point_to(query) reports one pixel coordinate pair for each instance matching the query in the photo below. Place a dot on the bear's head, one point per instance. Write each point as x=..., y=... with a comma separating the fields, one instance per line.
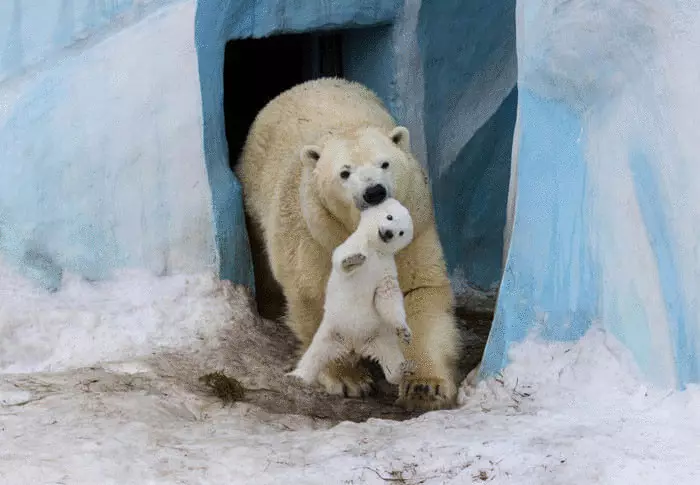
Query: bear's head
x=390, y=226
x=359, y=168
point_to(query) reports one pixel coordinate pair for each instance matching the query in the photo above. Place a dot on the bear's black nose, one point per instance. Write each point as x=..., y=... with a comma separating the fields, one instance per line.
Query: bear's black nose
x=386, y=235
x=375, y=194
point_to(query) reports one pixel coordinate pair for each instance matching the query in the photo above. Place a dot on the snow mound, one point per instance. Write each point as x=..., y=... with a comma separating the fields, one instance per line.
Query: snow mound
x=88, y=322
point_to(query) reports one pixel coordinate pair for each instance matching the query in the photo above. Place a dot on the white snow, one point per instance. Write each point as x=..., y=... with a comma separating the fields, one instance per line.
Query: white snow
x=89, y=322
x=569, y=413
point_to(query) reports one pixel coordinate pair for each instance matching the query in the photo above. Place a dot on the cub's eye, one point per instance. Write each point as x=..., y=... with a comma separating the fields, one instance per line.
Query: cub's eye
x=344, y=174
x=389, y=217
x=401, y=233
x=385, y=165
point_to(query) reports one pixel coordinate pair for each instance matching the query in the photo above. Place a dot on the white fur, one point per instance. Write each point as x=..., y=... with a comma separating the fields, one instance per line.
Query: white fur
x=364, y=308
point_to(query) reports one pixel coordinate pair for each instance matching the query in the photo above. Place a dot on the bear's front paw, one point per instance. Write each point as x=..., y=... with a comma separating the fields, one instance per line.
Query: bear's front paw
x=405, y=334
x=426, y=394
x=353, y=261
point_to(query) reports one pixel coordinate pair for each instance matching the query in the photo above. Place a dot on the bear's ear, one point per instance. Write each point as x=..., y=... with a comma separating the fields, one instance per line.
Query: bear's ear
x=400, y=137
x=310, y=154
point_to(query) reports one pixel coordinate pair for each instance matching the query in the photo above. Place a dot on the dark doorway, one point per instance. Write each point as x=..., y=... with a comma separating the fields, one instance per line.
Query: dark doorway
x=255, y=71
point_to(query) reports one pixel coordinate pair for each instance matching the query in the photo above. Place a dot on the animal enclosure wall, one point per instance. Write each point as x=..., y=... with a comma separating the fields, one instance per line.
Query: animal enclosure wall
x=121, y=121
x=470, y=70
x=461, y=86
x=102, y=163
x=606, y=219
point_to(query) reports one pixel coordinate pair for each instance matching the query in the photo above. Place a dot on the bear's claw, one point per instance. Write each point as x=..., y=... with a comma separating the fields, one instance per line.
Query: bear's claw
x=425, y=394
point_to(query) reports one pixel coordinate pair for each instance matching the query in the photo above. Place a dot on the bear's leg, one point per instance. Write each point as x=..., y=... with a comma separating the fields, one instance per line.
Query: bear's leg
x=433, y=350
x=304, y=316
x=343, y=377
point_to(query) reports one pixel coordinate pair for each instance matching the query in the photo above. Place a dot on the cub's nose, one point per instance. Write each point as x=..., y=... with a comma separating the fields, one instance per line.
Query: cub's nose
x=387, y=235
x=375, y=194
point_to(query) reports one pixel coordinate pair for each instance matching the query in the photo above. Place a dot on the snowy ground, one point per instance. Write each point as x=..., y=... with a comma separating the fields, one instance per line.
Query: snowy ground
x=96, y=387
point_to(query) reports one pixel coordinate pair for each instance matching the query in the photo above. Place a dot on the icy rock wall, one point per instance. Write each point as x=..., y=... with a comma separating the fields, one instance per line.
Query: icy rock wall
x=102, y=164
x=606, y=202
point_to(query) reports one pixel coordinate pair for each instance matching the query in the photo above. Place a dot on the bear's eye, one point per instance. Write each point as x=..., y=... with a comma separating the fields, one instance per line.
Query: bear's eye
x=344, y=174
x=385, y=165
x=389, y=217
x=401, y=233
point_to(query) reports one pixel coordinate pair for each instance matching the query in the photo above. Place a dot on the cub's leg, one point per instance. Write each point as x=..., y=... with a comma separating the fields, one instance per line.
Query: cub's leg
x=341, y=376
x=388, y=301
x=325, y=348
x=386, y=351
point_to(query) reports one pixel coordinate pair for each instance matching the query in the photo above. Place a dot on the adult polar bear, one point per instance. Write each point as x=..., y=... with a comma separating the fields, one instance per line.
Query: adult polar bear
x=313, y=155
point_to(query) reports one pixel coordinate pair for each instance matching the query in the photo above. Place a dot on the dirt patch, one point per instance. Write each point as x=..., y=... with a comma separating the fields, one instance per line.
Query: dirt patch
x=258, y=352
x=245, y=365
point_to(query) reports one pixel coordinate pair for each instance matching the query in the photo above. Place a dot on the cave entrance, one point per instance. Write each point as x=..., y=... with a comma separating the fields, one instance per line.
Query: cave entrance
x=257, y=70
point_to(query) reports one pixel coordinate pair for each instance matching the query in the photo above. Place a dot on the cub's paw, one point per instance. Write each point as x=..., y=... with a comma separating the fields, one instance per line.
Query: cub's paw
x=405, y=334
x=407, y=368
x=426, y=393
x=344, y=379
x=296, y=374
x=353, y=261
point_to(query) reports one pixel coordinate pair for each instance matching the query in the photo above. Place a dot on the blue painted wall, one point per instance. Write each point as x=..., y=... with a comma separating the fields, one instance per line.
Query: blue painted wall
x=33, y=31
x=606, y=221
x=102, y=163
x=550, y=280
x=468, y=55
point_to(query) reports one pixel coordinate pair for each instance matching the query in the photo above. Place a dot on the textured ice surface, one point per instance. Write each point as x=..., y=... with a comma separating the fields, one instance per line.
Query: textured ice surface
x=606, y=216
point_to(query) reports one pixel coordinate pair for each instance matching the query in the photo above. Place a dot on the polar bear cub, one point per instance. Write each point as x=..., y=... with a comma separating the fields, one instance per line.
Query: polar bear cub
x=364, y=308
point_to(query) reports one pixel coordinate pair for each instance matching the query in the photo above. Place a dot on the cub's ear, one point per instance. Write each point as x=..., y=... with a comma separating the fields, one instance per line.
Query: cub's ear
x=399, y=136
x=310, y=154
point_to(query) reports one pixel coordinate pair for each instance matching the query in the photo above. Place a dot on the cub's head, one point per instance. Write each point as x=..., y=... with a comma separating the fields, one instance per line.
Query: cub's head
x=390, y=226
x=360, y=168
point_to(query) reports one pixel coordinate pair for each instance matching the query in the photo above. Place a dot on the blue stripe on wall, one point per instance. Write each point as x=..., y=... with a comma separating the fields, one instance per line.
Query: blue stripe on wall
x=551, y=281
x=652, y=200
